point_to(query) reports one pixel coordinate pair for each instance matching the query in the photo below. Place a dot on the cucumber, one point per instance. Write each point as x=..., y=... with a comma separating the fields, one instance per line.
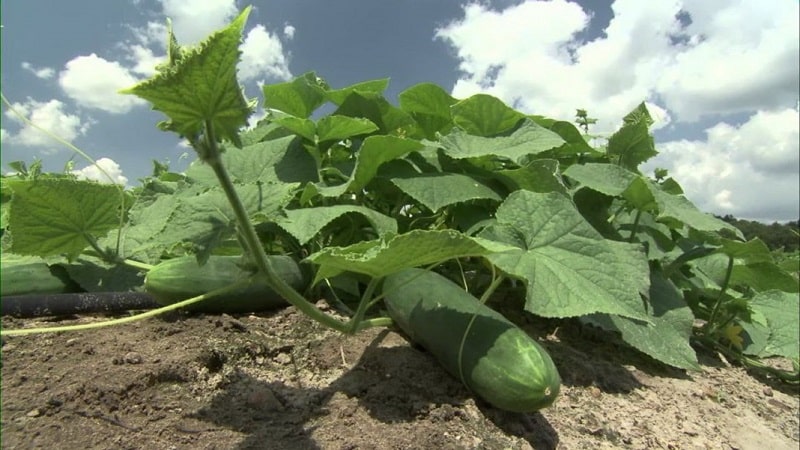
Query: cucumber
x=177, y=279
x=494, y=358
x=30, y=275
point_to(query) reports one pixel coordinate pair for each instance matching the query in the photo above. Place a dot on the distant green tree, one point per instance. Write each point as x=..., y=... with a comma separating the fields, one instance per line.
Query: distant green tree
x=776, y=236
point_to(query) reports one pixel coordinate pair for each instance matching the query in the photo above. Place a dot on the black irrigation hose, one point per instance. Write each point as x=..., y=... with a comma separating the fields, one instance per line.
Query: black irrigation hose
x=79, y=303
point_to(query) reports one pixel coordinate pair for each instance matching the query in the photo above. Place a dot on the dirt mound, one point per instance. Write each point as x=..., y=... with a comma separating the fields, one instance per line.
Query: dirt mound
x=280, y=381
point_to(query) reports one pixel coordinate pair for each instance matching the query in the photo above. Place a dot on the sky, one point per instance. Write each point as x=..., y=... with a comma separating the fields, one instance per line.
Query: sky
x=722, y=77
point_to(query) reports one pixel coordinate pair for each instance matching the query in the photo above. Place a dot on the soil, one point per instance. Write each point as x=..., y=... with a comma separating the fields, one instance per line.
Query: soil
x=280, y=381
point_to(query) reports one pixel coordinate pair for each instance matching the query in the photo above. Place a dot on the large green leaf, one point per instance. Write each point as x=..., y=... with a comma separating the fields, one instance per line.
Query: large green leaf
x=375, y=151
x=484, y=115
x=207, y=219
x=334, y=128
x=60, y=216
x=608, y=179
x=666, y=338
x=282, y=160
x=299, y=97
x=390, y=254
x=438, y=190
x=338, y=96
x=200, y=86
x=429, y=105
x=372, y=106
x=528, y=139
x=781, y=311
x=539, y=175
x=569, y=268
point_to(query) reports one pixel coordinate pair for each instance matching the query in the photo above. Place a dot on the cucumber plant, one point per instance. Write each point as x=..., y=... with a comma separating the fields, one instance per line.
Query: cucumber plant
x=471, y=190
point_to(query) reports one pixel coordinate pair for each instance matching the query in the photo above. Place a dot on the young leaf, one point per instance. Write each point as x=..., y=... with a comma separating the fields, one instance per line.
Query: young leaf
x=54, y=216
x=631, y=145
x=558, y=254
x=201, y=86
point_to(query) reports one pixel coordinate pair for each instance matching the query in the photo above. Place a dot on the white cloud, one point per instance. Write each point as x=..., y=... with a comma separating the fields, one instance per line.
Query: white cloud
x=745, y=58
x=734, y=57
x=144, y=60
x=288, y=31
x=50, y=116
x=751, y=171
x=193, y=20
x=262, y=55
x=4, y=135
x=94, y=172
x=43, y=73
x=93, y=82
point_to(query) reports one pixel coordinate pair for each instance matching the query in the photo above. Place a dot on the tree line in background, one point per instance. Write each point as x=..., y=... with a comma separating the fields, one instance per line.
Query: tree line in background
x=776, y=236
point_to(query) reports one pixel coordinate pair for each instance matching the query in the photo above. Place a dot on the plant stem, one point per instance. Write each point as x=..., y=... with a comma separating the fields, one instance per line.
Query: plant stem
x=363, y=305
x=710, y=325
x=134, y=318
x=250, y=237
x=635, y=225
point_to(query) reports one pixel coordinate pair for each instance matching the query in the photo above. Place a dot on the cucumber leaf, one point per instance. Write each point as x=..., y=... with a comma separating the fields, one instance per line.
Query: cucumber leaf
x=557, y=256
x=666, y=339
x=59, y=215
x=199, y=85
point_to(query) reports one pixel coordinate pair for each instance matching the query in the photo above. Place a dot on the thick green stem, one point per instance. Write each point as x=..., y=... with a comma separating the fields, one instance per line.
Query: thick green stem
x=635, y=225
x=363, y=305
x=250, y=237
x=710, y=324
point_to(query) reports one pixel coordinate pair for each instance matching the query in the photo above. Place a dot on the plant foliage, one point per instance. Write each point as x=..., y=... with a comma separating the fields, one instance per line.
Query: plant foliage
x=469, y=186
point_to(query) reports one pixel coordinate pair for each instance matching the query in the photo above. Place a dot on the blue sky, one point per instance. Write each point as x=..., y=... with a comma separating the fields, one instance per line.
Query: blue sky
x=722, y=76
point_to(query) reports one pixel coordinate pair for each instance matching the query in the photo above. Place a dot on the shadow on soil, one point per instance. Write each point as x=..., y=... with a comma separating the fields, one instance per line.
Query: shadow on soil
x=385, y=382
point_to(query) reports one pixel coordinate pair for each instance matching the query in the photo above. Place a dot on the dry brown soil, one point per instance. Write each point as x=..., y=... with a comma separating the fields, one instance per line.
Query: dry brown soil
x=280, y=381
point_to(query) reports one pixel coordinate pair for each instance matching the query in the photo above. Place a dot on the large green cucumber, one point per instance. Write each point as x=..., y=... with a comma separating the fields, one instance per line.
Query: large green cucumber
x=177, y=279
x=494, y=358
x=29, y=275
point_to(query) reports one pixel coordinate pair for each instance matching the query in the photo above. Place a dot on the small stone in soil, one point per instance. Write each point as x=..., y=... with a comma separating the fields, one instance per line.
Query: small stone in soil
x=133, y=358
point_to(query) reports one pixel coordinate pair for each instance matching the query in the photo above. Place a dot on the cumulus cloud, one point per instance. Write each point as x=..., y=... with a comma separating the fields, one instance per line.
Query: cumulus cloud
x=113, y=173
x=43, y=72
x=49, y=115
x=288, y=31
x=262, y=55
x=93, y=82
x=732, y=57
x=751, y=170
x=193, y=20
